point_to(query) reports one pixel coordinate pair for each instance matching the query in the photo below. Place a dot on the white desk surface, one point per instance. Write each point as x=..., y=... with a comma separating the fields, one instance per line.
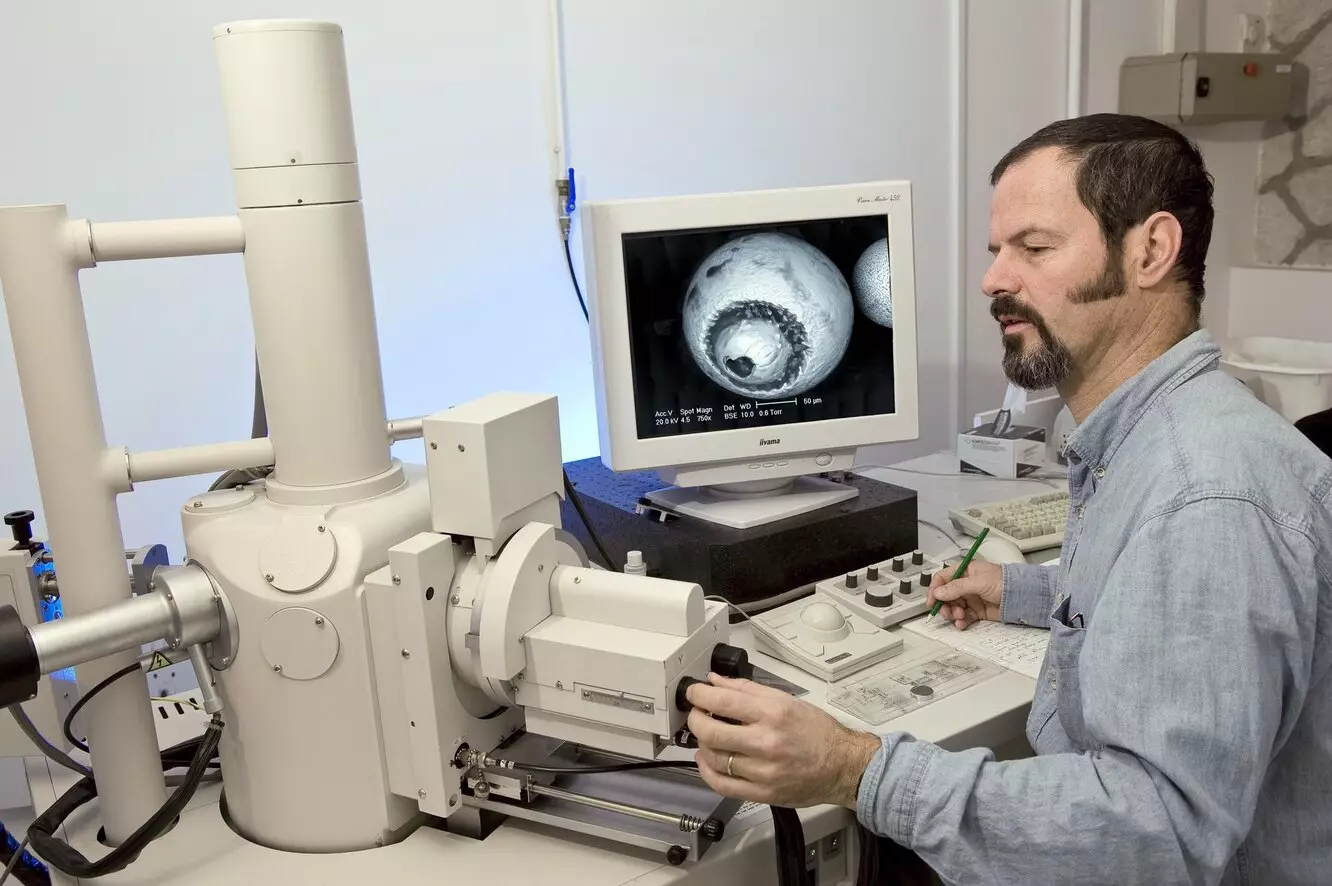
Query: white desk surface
x=203, y=851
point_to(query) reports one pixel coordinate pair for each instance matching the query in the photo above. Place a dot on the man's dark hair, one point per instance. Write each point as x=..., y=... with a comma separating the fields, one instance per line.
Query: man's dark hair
x=1128, y=168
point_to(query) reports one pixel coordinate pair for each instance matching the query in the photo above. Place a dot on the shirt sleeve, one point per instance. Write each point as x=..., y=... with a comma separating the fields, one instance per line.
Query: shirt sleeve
x=1029, y=593
x=1194, y=671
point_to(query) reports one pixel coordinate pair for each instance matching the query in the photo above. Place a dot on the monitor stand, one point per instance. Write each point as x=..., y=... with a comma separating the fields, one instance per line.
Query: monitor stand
x=754, y=503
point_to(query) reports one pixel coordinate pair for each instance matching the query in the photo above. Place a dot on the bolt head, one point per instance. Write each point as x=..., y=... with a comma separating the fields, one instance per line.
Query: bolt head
x=453, y=799
x=462, y=448
x=322, y=527
x=454, y=599
x=268, y=577
x=152, y=585
x=319, y=620
x=406, y=654
x=577, y=580
x=541, y=567
x=397, y=579
x=197, y=504
x=421, y=793
x=277, y=669
x=434, y=445
x=559, y=684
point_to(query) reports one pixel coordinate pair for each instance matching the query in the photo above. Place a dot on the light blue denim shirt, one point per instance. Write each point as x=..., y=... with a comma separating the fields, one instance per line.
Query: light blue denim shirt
x=1183, y=716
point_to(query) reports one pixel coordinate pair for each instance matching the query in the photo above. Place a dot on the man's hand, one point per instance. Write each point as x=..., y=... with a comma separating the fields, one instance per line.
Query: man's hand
x=784, y=752
x=976, y=595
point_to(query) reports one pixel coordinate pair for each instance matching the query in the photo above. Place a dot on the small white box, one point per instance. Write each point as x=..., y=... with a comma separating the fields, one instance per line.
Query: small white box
x=1017, y=452
x=490, y=461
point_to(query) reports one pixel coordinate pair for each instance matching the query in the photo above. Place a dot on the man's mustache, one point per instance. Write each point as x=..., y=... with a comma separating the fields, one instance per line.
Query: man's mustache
x=1011, y=306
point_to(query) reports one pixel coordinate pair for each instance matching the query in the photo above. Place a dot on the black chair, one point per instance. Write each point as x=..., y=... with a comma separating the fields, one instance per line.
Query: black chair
x=1318, y=428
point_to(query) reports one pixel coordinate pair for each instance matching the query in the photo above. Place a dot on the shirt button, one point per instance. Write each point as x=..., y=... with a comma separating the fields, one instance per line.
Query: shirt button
x=1099, y=472
x=1054, y=683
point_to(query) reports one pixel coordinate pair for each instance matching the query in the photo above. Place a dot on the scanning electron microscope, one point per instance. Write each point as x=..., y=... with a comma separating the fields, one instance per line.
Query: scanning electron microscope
x=385, y=650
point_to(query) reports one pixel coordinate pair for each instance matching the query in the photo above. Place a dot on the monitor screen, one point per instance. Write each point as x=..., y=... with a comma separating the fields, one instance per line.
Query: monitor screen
x=759, y=325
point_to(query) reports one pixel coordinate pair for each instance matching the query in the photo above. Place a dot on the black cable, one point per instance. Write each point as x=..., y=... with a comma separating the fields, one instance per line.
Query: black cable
x=573, y=278
x=92, y=693
x=577, y=502
x=70, y=861
x=789, y=840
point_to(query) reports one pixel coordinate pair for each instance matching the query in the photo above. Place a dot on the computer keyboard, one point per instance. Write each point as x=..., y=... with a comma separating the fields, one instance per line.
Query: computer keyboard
x=1032, y=522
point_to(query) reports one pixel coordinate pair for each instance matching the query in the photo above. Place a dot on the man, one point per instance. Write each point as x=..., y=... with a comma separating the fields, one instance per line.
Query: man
x=1183, y=716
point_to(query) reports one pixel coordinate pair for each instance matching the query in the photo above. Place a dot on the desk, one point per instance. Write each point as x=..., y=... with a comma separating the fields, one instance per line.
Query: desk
x=203, y=851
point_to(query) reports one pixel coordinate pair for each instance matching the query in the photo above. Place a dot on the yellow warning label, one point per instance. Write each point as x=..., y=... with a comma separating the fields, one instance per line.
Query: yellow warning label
x=159, y=661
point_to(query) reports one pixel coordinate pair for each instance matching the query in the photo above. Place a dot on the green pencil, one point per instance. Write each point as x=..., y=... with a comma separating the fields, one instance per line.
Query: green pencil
x=962, y=567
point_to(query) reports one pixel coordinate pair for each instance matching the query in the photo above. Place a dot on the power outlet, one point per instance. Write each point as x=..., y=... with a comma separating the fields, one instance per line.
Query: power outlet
x=1252, y=33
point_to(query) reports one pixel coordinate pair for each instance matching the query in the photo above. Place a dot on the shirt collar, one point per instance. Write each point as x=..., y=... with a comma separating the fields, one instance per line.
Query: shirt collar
x=1101, y=433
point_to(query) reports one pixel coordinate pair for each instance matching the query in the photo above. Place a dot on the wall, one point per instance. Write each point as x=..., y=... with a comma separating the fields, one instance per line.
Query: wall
x=1017, y=82
x=1243, y=297
x=697, y=97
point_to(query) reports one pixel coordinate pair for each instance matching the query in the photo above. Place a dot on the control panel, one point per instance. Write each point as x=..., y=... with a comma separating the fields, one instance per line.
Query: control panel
x=886, y=592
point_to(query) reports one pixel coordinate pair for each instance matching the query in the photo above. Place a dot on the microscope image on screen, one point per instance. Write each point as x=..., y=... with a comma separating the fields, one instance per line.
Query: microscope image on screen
x=760, y=325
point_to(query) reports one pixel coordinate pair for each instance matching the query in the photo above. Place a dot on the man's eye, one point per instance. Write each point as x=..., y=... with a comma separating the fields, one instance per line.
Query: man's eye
x=1035, y=250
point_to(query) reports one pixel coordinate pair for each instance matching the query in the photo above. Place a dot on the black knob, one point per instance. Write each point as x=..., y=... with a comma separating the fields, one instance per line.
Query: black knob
x=676, y=856
x=19, y=667
x=713, y=829
x=852, y=580
x=731, y=661
x=897, y=565
x=20, y=523
x=926, y=579
x=907, y=589
x=872, y=573
x=682, y=702
x=882, y=598
x=917, y=558
x=683, y=738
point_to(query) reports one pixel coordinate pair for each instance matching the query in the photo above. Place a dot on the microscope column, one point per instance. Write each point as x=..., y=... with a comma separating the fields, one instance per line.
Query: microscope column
x=41, y=251
x=293, y=154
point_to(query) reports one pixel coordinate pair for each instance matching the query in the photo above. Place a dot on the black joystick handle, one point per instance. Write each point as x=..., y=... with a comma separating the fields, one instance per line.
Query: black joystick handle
x=731, y=661
x=20, y=523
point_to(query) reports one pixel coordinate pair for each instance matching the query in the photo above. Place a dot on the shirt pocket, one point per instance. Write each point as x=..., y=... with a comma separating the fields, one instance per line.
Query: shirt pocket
x=1067, y=636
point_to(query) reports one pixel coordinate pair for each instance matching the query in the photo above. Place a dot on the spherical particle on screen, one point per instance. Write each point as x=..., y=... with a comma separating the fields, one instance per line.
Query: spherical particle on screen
x=768, y=316
x=872, y=283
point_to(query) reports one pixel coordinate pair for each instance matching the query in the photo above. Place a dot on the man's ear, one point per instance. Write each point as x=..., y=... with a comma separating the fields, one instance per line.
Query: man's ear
x=1155, y=251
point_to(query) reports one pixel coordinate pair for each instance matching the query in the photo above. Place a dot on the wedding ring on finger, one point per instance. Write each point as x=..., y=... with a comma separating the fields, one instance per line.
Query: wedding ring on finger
x=730, y=759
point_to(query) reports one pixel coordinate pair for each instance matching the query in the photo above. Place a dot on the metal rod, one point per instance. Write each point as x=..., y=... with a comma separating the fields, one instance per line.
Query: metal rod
x=683, y=822
x=207, y=682
x=77, y=639
x=167, y=238
x=191, y=460
x=404, y=429
x=41, y=251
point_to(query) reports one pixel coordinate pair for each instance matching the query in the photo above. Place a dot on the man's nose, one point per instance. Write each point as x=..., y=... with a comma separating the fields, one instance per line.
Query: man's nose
x=999, y=279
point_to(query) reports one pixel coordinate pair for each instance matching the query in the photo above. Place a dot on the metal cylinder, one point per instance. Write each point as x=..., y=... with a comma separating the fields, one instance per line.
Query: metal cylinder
x=40, y=253
x=167, y=238
x=293, y=148
x=127, y=625
x=182, y=609
x=314, y=328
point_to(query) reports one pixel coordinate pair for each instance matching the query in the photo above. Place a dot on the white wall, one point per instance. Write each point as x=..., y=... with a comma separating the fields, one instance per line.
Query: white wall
x=1244, y=299
x=700, y=96
x=1017, y=82
x=116, y=113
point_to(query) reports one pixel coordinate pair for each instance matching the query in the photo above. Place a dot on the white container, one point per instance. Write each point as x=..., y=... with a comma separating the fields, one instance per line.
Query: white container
x=1293, y=376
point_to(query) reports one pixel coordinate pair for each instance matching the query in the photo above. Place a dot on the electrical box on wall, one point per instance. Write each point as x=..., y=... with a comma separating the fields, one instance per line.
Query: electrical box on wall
x=1207, y=87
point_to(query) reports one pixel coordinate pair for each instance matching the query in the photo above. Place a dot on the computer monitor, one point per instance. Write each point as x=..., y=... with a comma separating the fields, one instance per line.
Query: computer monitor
x=745, y=343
